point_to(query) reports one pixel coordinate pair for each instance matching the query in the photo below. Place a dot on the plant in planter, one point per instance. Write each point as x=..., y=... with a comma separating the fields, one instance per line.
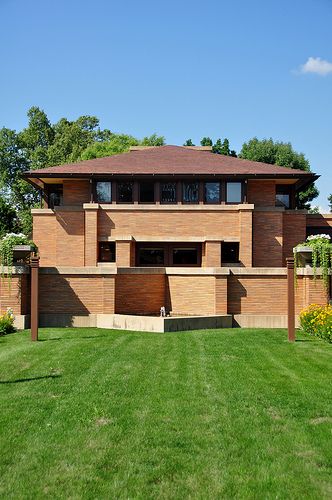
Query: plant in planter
x=11, y=245
x=319, y=248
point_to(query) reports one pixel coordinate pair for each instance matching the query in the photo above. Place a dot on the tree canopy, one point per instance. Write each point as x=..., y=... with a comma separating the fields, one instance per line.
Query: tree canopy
x=282, y=154
x=330, y=202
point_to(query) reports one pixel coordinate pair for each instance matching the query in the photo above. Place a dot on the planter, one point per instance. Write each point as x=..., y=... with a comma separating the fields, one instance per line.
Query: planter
x=22, y=252
x=305, y=255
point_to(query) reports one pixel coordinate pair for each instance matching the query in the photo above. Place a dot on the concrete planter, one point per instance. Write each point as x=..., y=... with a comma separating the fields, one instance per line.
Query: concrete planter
x=305, y=255
x=22, y=252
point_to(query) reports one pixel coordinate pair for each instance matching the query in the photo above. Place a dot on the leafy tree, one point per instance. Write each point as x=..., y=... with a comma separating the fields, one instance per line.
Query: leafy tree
x=330, y=202
x=189, y=142
x=206, y=141
x=8, y=218
x=119, y=143
x=314, y=210
x=222, y=148
x=283, y=154
x=153, y=140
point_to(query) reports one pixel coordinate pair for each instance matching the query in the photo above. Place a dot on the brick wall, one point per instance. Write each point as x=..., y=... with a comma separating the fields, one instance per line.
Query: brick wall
x=267, y=239
x=139, y=293
x=192, y=294
x=76, y=192
x=14, y=294
x=45, y=236
x=294, y=232
x=261, y=193
x=69, y=238
x=76, y=294
x=90, y=244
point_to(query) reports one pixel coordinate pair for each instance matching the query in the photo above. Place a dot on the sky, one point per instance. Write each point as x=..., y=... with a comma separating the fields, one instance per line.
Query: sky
x=183, y=69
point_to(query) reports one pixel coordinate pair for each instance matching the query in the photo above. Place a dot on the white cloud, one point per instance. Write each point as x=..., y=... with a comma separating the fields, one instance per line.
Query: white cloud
x=316, y=65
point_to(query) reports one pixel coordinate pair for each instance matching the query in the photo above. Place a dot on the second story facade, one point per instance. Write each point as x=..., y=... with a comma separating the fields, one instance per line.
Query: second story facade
x=170, y=206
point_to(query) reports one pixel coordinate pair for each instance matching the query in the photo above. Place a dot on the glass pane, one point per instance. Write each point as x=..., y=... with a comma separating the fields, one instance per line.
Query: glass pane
x=55, y=196
x=185, y=256
x=146, y=192
x=151, y=257
x=168, y=192
x=107, y=252
x=104, y=192
x=230, y=252
x=190, y=192
x=282, y=200
x=234, y=192
x=125, y=192
x=212, y=192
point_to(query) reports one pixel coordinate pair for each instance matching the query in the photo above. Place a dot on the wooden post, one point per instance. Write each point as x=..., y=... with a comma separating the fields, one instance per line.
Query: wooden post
x=34, y=268
x=291, y=299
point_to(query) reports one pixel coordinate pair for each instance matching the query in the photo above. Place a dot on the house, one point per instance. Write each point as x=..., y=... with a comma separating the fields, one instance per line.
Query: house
x=179, y=227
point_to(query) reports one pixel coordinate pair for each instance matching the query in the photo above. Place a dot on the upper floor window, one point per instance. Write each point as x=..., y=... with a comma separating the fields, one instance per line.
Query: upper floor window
x=104, y=192
x=55, y=195
x=233, y=192
x=282, y=196
x=168, y=192
x=106, y=251
x=146, y=192
x=190, y=192
x=125, y=192
x=212, y=192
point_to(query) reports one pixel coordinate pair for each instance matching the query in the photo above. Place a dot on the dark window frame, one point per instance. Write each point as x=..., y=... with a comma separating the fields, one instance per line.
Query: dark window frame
x=100, y=243
x=160, y=193
x=168, y=253
x=132, y=192
x=182, y=192
x=95, y=197
x=204, y=195
x=153, y=190
x=52, y=188
x=230, y=261
x=242, y=192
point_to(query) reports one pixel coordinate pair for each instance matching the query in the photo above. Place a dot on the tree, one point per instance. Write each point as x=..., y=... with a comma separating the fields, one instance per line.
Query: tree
x=206, y=141
x=189, y=142
x=282, y=154
x=222, y=148
x=8, y=218
x=119, y=143
x=329, y=199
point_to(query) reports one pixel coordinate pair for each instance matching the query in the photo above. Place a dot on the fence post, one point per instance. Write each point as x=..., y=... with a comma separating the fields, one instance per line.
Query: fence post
x=34, y=268
x=290, y=299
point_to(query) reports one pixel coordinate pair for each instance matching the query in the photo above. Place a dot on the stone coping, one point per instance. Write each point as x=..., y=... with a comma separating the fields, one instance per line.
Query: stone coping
x=104, y=269
x=162, y=239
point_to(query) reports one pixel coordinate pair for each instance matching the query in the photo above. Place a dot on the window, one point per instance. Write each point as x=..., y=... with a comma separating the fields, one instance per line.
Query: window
x=168, y=254
x=151, y=256
x=106, y=252
x=230, y=252
x=212, y=192
x=168, y=192
x=104, y=192
x=55, y=195
x=190, y=192
x=185, y=256
x=282, y=196
x=125, y=192
x=146, y=192
x=233, y=192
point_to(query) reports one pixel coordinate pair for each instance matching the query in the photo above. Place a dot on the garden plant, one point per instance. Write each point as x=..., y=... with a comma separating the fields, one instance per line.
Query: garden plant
x=7, y=323
x=316, y=320
x=321, y=255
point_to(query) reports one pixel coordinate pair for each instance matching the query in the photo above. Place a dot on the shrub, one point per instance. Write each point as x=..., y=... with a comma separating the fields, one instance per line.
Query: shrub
x=7, y=323
x=317, y=320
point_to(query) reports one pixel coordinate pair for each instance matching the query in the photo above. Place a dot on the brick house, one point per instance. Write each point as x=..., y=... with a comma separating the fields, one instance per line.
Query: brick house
x=180, y=227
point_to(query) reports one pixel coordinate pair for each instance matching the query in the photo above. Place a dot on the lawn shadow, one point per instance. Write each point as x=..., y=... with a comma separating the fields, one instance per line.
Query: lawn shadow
x=31, y=379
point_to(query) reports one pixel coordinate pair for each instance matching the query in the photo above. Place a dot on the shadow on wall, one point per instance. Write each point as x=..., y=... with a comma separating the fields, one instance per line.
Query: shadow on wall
x=62, y=297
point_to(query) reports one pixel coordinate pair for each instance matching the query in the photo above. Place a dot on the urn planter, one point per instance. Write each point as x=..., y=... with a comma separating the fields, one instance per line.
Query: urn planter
x=22, y=252
x=305, y=255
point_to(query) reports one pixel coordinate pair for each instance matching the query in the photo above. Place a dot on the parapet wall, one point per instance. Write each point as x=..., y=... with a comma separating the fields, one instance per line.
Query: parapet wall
x=86, y=292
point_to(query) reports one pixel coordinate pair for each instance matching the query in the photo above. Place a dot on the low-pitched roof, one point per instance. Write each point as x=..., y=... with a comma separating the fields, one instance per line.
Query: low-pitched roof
x=168, y=160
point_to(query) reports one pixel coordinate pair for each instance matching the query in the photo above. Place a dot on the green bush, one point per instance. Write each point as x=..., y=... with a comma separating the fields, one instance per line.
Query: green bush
x=7, y=323
x=317, y=320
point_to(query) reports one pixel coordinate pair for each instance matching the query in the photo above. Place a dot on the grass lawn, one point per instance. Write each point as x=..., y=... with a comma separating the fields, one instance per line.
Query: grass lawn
x=89, y=413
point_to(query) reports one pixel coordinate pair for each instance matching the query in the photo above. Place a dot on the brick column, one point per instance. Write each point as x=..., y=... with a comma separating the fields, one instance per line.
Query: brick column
x=90, y=234
x=125, y=253
x=212, y=255
x=245, y=223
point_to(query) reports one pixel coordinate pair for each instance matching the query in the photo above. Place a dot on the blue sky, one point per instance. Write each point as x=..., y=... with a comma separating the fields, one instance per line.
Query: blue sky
x=235, y=69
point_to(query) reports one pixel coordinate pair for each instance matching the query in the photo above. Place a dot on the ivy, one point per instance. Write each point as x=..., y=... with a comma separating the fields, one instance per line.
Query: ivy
x=321, y=255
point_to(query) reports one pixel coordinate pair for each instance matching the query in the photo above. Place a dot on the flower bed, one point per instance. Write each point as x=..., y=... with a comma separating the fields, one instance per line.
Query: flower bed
x=317, y=320
x=7, y=323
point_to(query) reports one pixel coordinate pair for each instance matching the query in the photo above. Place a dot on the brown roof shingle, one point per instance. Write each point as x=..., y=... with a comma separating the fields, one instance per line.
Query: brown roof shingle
x=163, y=160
